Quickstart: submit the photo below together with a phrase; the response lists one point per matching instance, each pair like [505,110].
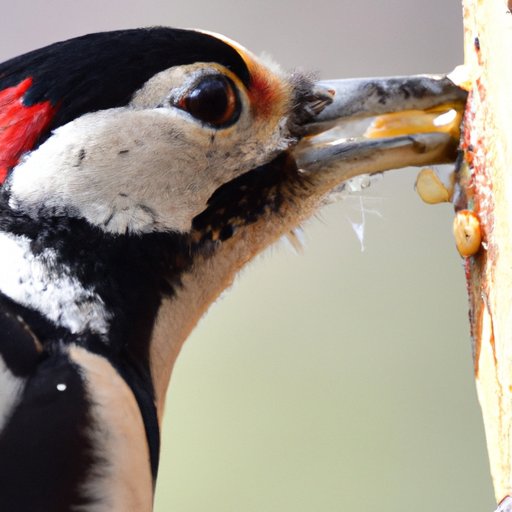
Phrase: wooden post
[486,189]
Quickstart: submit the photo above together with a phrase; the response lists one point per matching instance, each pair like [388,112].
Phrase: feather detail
[20,125]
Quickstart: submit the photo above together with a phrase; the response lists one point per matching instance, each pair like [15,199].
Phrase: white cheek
[121,169]
[28,280]
[130,170]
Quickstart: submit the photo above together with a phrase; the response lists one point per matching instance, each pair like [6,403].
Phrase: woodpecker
[140,170]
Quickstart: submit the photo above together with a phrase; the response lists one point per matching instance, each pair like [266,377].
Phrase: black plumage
[103,70]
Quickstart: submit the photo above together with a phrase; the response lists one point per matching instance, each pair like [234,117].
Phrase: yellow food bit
[444,119]
[467,232]
[431,189]
[461,76]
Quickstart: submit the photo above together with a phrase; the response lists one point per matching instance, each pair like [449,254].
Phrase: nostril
[310,103]
[319,98]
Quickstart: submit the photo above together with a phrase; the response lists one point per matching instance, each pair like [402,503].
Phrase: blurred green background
[337,379]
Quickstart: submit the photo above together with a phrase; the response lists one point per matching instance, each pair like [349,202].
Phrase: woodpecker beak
[367,126]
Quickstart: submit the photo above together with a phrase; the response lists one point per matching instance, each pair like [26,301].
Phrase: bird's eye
[214,100]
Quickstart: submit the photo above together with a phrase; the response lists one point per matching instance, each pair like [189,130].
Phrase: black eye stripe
[214,100]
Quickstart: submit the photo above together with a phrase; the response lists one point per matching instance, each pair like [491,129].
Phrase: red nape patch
[20,125]
[266,92]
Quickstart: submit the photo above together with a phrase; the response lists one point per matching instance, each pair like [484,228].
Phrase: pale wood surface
[487,189]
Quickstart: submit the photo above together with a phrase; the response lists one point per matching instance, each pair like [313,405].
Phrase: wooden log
[486,189]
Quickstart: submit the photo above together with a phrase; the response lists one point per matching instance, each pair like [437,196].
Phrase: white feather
[36,282]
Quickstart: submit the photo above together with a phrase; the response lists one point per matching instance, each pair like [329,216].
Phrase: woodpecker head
[134,130]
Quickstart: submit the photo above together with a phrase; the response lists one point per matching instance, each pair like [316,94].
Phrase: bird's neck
[135,298]
[122,306]
[130,299]
[139,296]
[74,283]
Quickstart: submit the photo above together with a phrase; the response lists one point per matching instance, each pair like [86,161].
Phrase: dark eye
[214,100]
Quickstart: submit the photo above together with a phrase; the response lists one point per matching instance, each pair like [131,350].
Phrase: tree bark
[486,189]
